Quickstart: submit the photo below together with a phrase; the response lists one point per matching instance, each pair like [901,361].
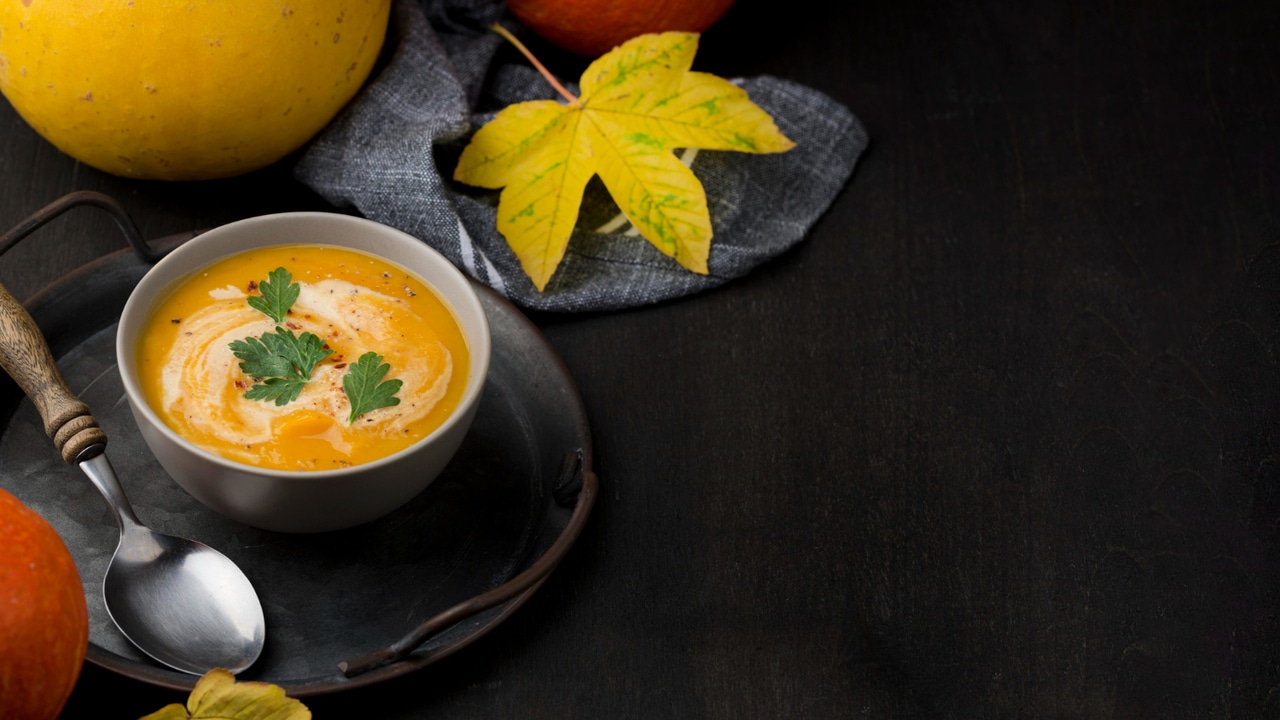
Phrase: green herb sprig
[279,293]
[282,360]
[281,363]
[365,388]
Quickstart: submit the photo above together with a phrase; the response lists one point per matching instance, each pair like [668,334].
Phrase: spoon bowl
[181,602]
[148,587]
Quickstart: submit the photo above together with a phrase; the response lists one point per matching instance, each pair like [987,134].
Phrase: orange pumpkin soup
[354,303]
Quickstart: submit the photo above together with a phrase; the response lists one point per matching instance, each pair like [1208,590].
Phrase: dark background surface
[999,440]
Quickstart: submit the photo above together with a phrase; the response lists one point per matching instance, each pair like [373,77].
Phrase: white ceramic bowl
[305,501]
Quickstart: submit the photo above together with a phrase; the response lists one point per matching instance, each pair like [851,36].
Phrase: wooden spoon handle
[25,355]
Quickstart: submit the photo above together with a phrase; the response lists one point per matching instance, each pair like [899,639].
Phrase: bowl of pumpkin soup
[303,372]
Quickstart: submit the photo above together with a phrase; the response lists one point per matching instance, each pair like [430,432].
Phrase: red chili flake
[253,286]
[240,384]
[339,366]
[175,321]
[292,325]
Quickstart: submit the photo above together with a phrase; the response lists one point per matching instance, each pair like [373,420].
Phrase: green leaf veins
[365,388]
[282,361]
[279,293]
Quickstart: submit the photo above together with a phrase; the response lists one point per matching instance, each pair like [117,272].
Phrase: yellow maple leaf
[638,103]
[218,695]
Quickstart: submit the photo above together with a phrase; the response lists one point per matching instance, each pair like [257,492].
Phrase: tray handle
[24,353]
[572,473]
[41,217]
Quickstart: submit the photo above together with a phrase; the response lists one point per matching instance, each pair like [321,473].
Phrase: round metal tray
[343,609]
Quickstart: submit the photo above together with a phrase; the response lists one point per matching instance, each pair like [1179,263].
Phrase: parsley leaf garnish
[279,292]
[281,363]
[258,359]
[282,360]
[282,390]
[364,387]
[303,352]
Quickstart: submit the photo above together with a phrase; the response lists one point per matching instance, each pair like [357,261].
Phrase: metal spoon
[181,602]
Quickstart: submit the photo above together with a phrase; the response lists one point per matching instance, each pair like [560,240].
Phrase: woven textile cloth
[390,156]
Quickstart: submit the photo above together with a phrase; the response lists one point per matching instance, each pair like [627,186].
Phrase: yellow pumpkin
[185,89]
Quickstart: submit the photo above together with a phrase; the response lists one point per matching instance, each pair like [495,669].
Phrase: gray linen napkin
[390,155]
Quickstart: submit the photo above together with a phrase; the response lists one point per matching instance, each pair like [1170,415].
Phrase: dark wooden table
[1000,439]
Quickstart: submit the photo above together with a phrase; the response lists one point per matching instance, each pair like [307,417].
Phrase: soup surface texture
[354,303]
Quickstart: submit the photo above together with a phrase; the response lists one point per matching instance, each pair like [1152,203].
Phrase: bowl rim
[136,310]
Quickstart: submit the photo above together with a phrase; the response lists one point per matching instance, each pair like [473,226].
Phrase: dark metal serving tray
[343,609]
